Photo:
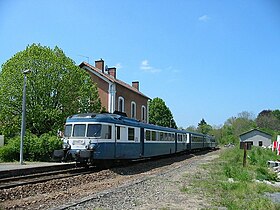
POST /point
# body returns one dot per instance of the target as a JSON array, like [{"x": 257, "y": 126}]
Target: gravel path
[{"x": 151, "y": 185}]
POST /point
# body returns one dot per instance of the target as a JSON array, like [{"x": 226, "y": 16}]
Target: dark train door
[
  {"x": 142, "y": 136},
  {"x": 176, "y": 142}
]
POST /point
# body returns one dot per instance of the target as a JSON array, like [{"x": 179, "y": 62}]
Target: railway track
[
  {"x": 44, "y": 176},
  {"x": 10, "y": 182}
]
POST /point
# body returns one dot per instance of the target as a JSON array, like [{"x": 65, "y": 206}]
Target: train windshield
[
  {"x": 79, "y": 130},
  {"x": 94, "y": 130},
  {"x": 84, "y": 130},
  {"x": 68, "y": 129}
]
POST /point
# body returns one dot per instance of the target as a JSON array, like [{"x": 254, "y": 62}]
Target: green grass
[{"x": 243, "y": 192}]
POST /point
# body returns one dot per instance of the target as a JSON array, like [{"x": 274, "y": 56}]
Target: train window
[
  {"x": 68, "y": 130},
  {"x": 118, "y": 132},
  {"x": 106, "y": 131},
  {"x": 79, "y": 130},
  {"x": 169, "y": 136},
  {"x": 154, "y": 136},
  {"x": 131, "y": 134},
  {"x": 161, "y": 138},
  {"x": 94, "y": 130},
  {"x": 165, "y": 137},
  {"x": 179, "y": 137},
  {"x": 148, "y": 135}
]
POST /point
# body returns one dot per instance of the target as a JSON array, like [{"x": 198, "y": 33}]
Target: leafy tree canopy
[
  {"x": 160, "y": 114},
  {"x": 269, "y": 119},
  {"x": 203, "y": 127},
  {"x": 56, "y": 88}
]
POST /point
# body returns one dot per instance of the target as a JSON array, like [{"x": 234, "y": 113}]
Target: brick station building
[{"x": 116, "y": 95}]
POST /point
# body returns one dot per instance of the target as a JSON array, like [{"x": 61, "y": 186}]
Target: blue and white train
[{"x": 94, "y": 138}]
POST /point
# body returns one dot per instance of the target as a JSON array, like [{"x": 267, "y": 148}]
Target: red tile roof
[{"x": 112, "y": 79}]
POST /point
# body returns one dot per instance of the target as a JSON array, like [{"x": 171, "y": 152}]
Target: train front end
[{"x": 81, "y": 139}]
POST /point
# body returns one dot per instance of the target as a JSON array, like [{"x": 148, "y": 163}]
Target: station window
[
  {"x": 121, "y": 104},
  {"x": 133, "y": 109},
  {"x": 131, "y": 134},
  {"x": 260, "y": 143},
  {"x": 143, "y": 113}
]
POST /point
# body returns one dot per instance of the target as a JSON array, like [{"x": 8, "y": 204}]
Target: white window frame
[
  {"x": 133, "y": 111},
  {"x": 121, "y": 109},
  {"x": 143, "y": 113}
]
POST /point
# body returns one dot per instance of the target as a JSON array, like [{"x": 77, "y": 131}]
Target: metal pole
[
  {"x": 245, "y": 154},
  {"x": 23, "y": 117}
]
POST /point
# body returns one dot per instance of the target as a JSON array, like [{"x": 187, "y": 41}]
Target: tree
[
  {"x": 203, "y": 127},
  {"x": 160, "y": 114},
  {"x": 56, "y": 88},
  {"x": 268, "y": 119}
]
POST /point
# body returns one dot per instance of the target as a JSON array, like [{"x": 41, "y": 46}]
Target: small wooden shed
[{"x": 256, "y": 137}]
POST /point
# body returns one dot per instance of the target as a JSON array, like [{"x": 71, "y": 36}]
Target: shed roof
[
  {"x": 255, "y": 129},
  {"x": 112, "y": 79}
]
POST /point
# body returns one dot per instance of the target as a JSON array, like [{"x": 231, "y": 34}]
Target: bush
[
  {"x": 35, "y": 148},
  {"x": 10, "y": 152}
]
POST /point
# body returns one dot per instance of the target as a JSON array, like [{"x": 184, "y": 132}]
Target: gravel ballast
[{"x": 155, "y": 184}]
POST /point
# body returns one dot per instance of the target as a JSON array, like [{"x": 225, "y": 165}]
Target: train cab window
[
  {"x": 131, "y": 134},
  {"x": 94, "y": 130},
  {"x": 106, "y": 132},
  {"x": 79, "y": 130},
  {"x": 68, "y": 130}
]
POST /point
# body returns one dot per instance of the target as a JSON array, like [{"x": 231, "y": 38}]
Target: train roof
[{"x": 117, "y": 119}]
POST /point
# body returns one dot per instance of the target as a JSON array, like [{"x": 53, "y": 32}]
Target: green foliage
[
  {"x": 160, "y": 114},
  {"x": 263, "y": 173},
  {"x": 10, "y": 152},
  {"x": 241, "y": 191},
  {"x": 269, "y": 120},
  {"x": 233, "y": 127},
  {"x": 35, "y": 148},
  {"x": 203, "y": 127},
  {"x": 56, "y": 88}
]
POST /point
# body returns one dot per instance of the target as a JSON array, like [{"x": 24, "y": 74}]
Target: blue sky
[{"x": 205, "y": 59}]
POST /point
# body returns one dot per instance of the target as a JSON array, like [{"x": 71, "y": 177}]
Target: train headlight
[
  {"x": 91, "y": 146},
  {"x": 66, "y": 146}
]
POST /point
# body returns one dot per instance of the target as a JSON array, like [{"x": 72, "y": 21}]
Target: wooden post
[{"x": 245, "y": 154}]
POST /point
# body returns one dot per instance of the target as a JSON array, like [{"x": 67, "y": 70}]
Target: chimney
[
  {"x": 100, "y": 65},
  {"x": 112, "y": 72},
  {"x": 135, "y": 85}
]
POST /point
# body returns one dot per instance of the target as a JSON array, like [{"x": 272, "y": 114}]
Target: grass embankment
[{"x": 228, "y": 184}]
